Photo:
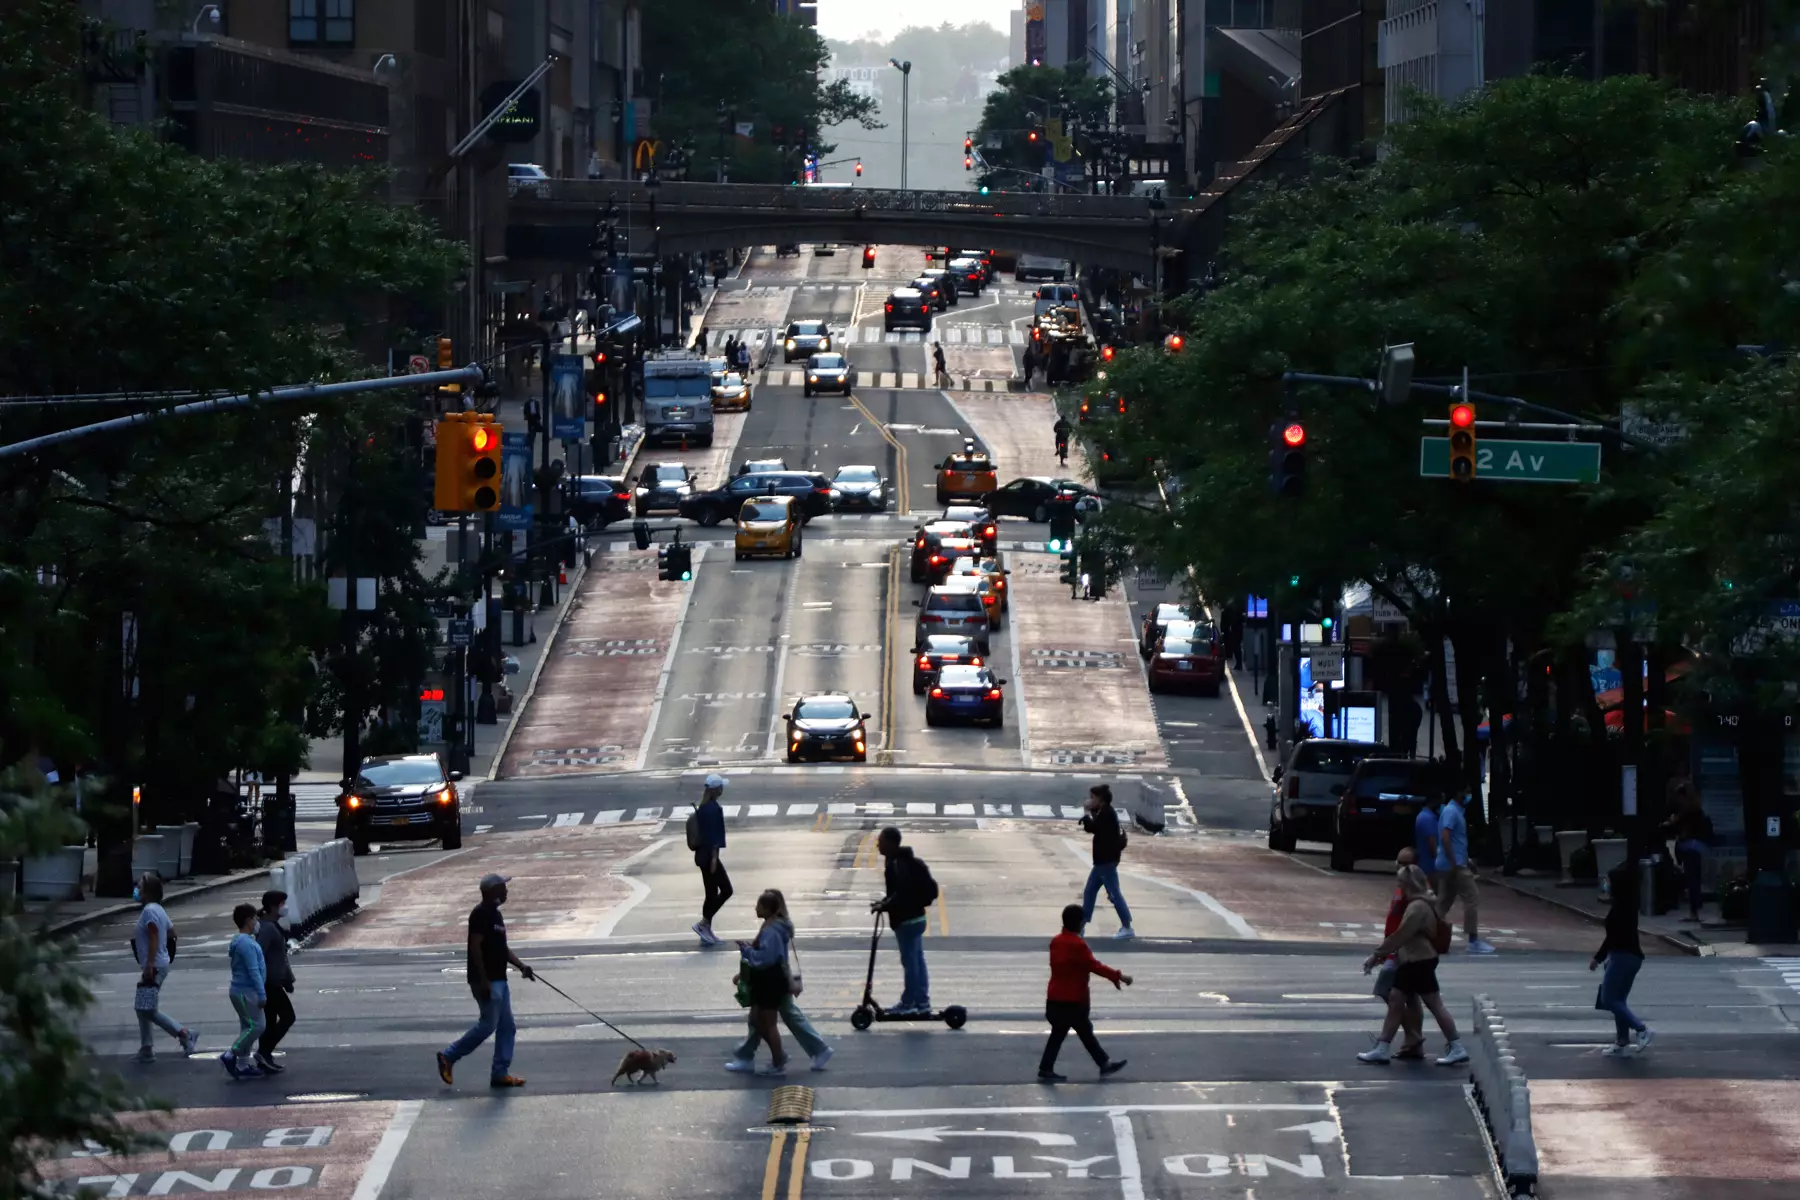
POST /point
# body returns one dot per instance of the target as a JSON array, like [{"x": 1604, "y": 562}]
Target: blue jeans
[
  {"x": 496, "y": 1022},
  {"x": 156, "y": 1018},
  {"x": 910, "y": 937},
  {"x": 797, "y": 1024},
  {"x": 1615, "y": 985},
  {"x": 1104, "y": 875}
]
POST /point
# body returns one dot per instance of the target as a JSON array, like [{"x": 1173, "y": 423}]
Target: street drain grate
[{"x": 790, "y": 1105}]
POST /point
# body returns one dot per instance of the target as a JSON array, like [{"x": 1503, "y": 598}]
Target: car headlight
[
  {"x": 790, "y": 343},
  {"x": 812, "y": 379},
  {"x": 353, "y": 802},
  {"x": 835, "y": 493},
  {"x": 824, "y": 343},
  {"x": 445, "y": 796},
  {"x": 643, "y": 491}
]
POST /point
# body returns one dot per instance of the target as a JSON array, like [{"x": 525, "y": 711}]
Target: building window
[{"x": 322, "y": 22}]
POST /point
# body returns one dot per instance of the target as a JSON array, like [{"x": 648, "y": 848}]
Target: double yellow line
[
  {"x": 778, "y": 1141},
  {"x": 822, "y": 822},
  {"x": 903, "y": 500}
]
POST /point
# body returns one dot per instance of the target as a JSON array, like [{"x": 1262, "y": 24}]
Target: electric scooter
[{"x": 869, "y": 1012}]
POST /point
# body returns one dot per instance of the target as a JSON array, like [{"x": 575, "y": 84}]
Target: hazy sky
[{"x": 848, "y": 19}]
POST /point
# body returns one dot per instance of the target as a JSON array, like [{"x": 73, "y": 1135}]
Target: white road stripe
[
  {"x": 1038, "y": 810},
  {"x": 959, "y": 810},
  {"x": 387, "y": 1150},
  {"x": 608, "y": 816},
  {"x": 920, "y": 808},
  {"x": 764, "y": 810},
  {"x": 573, "y": 818},
  {"x": 802, "y": 810}
]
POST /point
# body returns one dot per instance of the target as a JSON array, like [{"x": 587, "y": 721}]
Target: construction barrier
[
  {"x": 320, "y": 884},
  {"x": 1504, "y": 1096}
]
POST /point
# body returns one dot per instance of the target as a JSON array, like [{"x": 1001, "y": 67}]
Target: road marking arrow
[
  {"x": 1323, "y": 1132},
  {"x": 936, "y": 1134}
]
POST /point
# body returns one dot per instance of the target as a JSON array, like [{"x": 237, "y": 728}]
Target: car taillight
[
  {"x": 822, "y": 491},
  {"x": 890, "y": 308},
  {"x": 993, "y": 693},
  {"x": 1294, "y": 787},
  {"x": 930, "y": 618},
  {"x": 353, "y": 802},
  {"x": 937, "y": 691},
  {"x": 974, "y": 662},
  {"x": 919, "y": 545},
  {"x": 924, "y": 661},
  {"x": 937, "y": 558},
  {"x": 988, "y": 532}
]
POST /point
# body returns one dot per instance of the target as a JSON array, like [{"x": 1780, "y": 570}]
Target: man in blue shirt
[
  {"x": 1425, "y": 838},
  {"x": 1456, "y": 874}
]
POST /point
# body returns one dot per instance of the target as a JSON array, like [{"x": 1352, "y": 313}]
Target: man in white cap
[
  {"x": 706, "y": 837},
  {"x": 489, "y": 956}
]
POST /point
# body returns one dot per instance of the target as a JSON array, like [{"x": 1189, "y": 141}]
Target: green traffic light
[
  {"x": 1325, "y": 623},
  {"x": 1293, "y": 581},
  {"x": 686, "y": 575},
  {"x": 984, "y": 190}
]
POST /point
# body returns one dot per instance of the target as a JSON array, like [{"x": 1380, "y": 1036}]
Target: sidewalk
[
  {"x": 1713, "y": 936},
  {"x": 63, "y": 917}
]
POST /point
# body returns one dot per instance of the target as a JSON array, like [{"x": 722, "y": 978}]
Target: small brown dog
[{"x": 643, "y": 1064}]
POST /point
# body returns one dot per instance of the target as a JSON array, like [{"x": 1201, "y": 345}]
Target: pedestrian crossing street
[
  {"x": 768, "y": 287},
  {"x": 873, "y": 335},
  {"x": 815, "y": 811},
  {"x": 726, "y": 536},
  {"x": 889, "y": 380}
]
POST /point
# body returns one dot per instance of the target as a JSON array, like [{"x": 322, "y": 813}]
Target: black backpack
[{"x": 695, "y": 838}]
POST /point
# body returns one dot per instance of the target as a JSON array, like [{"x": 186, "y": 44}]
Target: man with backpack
[
  {"x": 1102, "y": 820},
  {"x": 910, "y": 891},
  {"x": 706, "y": 838}
]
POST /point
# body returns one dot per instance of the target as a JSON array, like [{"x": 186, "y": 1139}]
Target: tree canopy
[{"x": 1027, "y": 99}]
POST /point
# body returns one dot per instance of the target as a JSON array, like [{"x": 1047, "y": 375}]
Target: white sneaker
[
  {"x": 773, "y": 1070},
  {"x": 707, "y": 936},
  {"x": 1478, "y": 946},
  {"x": 1126, "y": 932},
  {"x": 1615, "y": 1051},
  {"x": 1454, "y": 1056},
  {"x": 821, "y": 1058},
  {"x": 1644, "y": 1038},
  {"x": 1378, "y": 1053},
  {"x": 740, "y": 1066}
]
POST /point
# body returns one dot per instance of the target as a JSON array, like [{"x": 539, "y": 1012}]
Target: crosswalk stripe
[
  {"x": 840, "y": 810},
  {"x": 997, "y": 810},
  {"x": 887, "y": 379},
  {"x": 649, "y": 814},
  {"x": 877, "y": 808},
  {"x": 959, "y": 810},
  {"x": 909, "y": 379},
  {"x": 919, "y": 809},
  {"x": 1072, "y": 811},
  {"x": 568, "y": 818},
  {"x": 680, "y": 812},
  {"x": 764, "y": 810},
  {"x": 1038, "y": 810},
  {"x": 802, "y": 810},
  {"x": 731, "y": 810},
  {"x": 608, "y": 816}
]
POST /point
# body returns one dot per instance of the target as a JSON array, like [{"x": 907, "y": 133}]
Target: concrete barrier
[
  {"x": 1504, "y": 1096},
  {"x": 320, "y": 883}
]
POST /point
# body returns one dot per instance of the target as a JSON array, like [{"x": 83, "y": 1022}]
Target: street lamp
[
  {"x": 905, "y": 69},
  {"x": 208, "y": 13}
]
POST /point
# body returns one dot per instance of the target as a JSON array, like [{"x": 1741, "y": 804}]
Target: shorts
[{"x": 1417, "y": 978}]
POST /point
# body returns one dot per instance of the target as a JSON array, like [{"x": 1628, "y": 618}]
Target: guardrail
[
  {"x": 1504, "y": 1097},
  {"x": 320, "y": 883},
  {"x": 672, "y": 197}
]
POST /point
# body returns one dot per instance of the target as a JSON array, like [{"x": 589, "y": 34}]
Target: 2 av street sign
[{"x": 1517, "y": 462}]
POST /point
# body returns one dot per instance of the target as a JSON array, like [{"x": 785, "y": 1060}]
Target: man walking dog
[{"x": 489, "y": 956}]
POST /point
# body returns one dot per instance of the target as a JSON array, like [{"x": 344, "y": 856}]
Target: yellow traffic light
[
  {"x": 446, "y": 356},
  {"x": 468, "y": 464}
]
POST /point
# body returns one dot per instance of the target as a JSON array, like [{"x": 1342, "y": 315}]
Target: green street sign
[{"x": 1517, "y": 462}]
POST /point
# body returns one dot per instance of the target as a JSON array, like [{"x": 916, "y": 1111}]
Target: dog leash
[{"x": 590, "y": 1012}]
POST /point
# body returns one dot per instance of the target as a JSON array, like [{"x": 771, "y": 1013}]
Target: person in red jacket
[{"x": 1066, "y": 1008}]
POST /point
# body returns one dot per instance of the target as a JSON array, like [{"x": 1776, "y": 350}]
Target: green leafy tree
[
  {"x": 709, "y": 57},
  {"x": 1501, "y": 234},
  {"x": 1028, "y": 98}
]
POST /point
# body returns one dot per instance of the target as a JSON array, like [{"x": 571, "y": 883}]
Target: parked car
[
  {"x": 1379, "y": 803},
  {"x": 1307, "y": 787},
  {"x": 1156, "y": 621},
  {"x": 1187, "y": 664},
  {"x": 400, "y": 798},
  {"x": 527, "y": 177}
]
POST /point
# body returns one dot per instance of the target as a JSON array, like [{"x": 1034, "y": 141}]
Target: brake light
[
  {"x": 937, "y": 691},
  {"x": 937, "y": 558},
  {"x": 974, "y": 662},
  {"x": 931, "y": 619},
  {"x": 890, "y": 308},
  {"x": 988, "y": 532},
  {"x": 993, "y": 693},
  {"x": 822, "y": 491},
  {"x": 924, "y": 660},
  {"x": 919, "y": 545}
]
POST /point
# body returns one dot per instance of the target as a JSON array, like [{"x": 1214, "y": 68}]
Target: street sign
[
  {"x": 1327, "y": 663},
  {"x": 462, "y": 631},
  {"x": 1517, "y": 462},
  {"x": 418, "y": 364}
]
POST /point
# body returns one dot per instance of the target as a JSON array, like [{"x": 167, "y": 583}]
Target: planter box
[
  {"x": 168, "y": 861},
  {"x": 147, "y": 855},
  {"x": 1609, "y": 853},
  {"x": 1567, "y": 842},
  {"x": 55, "y": 876},
  {"x": 189, "y": 832}
]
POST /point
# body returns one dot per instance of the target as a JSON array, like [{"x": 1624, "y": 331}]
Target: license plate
[
  {"x": 1402, "y": 810},
  {"x": 963, "y": 699},
  {"x": 1184, "y": 666}
]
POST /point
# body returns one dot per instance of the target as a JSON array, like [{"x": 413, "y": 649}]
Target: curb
[
  {"x": 524, "y": 704},
  {"x": 75, "y": 924},
  {"x": 1697, "y": 949}
]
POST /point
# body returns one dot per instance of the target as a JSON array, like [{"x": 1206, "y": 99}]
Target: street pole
[{"x": 905, "y": 102}]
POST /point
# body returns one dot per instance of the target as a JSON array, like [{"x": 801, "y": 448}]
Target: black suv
[
  {"x": 811, "y": 493},
  {"x": 400, "y": 798},
  {"x": 907, "y": 306},
  {"x": 596, "y": 501},
  {"x": 968, "y": 274},
  {"x": 662, "y": 487},
  {"x": 1379, "y": 804}
]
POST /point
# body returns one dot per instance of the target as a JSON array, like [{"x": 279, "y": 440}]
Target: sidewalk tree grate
[{"x": 791, "y": 1104}]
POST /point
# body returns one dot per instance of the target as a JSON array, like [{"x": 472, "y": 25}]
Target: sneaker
[
  {"x": 1051, "y": 1077},
  {"x": 506, "y": 1081},
  {"x": 821, "y": 1058},
  {"x": 773, "y": 1070},
  {"x": 704, "y": 932},
  {"x": 1616, "y": 1051},
  {"x": 268, "y": 1064},
  {"x": 230, "y": 1064},
  {"x": 1125, "y": 933},
  {"x": 444, "y": 1066},
  {"x": 1378, "y": 1053},
  {"x": 1480, "y": 947},
  {"x": 1454, "y": 1056},
  {"x": 250, "y": 1070},
  {"x": 146, "y": 1055},
  {"x": 1644, "y": 1038},
  {"x": 190, "y": 1040},
  {"x": 741, "y": 1066},
  {"x": 1112, "y": 1068}
]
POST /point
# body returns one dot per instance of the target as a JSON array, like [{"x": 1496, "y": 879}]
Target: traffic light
[
  {"x": 675, "y": 562},
  {"x": 602, "y": 411},
  {"x": 600, "y": 359},
  {"x": 1062, "y": 523},
  {"x": 1106, "y": 354},
  {"x": 1093, "y": 571},
  {"x": 1174, "y": 343},
  {"x": 1032, "y": 137},
  {"x": 640, "y": 533},
  {"x": 1462, "y": 442},
  {"x": 446, "y": 354},
  {"x": 467, "y": 478},
  {"x": 859, "y": 168},
  {"x": 1287, "y": 457},
  {"x": 1070, "y": 573},
  {"x": 984, "y": 190},
  {"x": 968, "y": 163},
  {"x": 968, "y": 145}
]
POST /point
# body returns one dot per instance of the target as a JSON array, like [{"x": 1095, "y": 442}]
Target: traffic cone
[{"x": 562, "y": 576}]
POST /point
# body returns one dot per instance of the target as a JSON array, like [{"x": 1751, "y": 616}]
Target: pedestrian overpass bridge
[{"x": 552, "y": 224}]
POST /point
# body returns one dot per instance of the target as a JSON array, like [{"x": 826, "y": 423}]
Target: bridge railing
[{"x": 594, "y": 193}]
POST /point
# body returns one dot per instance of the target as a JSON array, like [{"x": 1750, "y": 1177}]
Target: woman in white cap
[{"x": 706, "y": 838}]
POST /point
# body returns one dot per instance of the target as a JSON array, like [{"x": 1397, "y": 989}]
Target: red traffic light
[
  {"x": 1462, "y": 415},
  {"x": 1106, "y": 354},
  {"x": 599, "y": 358},
  {"x": 1032, "y": 136},
  {"x": 968, "y": 163},
  {"x": 1174, "y": 342},
  {"x": 599, "y": 399},
  {"x": 859, "y": 168},
  {"x": 968, "y": 144},
  {"x": 483, "y": 439},
  {"x": 1294, "y": 434}
]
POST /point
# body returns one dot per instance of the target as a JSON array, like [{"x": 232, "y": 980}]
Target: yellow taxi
[
  {"x": 969, "y": 475},
  {"x": 730, "y": 392},
  {"x": 768, "y": 525},
  {"x": 989, "y": 581}
]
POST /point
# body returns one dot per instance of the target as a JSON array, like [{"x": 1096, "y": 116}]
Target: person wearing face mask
[
  {"x": 278, "y": 1010},
  {"x": 153, "y": 944}
]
